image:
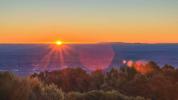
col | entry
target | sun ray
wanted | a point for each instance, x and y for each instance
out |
(56, 54)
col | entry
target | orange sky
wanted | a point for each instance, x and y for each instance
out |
(91, 21)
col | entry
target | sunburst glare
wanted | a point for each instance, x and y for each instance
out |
(59, 42)
(54, 58)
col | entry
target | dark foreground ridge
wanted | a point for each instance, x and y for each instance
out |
(136, 82)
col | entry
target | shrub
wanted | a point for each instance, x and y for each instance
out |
(14, 88)
(100, 95)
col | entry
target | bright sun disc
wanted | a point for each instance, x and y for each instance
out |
(58, 42)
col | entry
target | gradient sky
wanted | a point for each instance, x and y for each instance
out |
(83, 21)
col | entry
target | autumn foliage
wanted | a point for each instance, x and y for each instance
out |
(137, 82)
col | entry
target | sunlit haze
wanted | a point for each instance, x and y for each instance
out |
(59, 42)
(88, 21)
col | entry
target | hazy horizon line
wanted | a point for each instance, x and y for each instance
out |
(16, 43)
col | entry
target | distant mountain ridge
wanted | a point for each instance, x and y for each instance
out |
(136, 43)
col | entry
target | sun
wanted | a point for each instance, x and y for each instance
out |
(59, 42)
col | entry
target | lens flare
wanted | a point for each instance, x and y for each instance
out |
(96, 57)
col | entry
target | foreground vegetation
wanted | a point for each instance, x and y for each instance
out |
(137, 82)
